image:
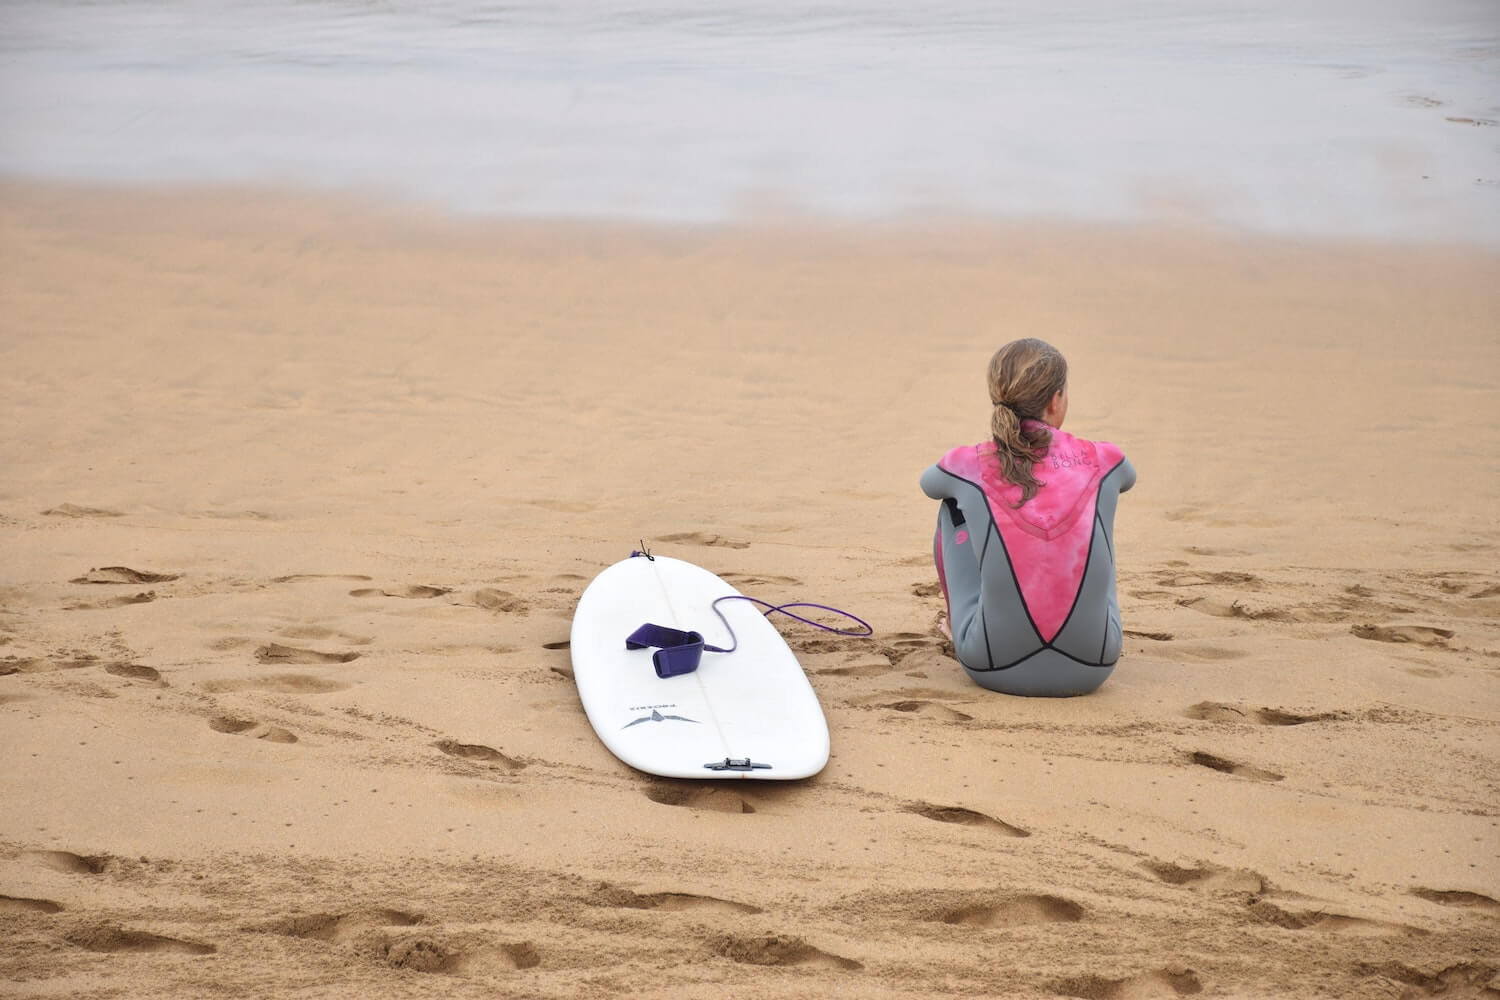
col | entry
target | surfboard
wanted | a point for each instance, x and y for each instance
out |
(746, 714)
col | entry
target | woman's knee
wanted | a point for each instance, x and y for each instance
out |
(1065, 679)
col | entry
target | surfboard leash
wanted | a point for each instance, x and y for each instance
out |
(680, 652)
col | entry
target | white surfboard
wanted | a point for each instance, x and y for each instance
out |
(746, 714)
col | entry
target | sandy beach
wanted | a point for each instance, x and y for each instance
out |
(297, 496)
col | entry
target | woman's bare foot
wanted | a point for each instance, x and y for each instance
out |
(942, 627)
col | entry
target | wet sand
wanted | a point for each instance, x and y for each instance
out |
(299, 496)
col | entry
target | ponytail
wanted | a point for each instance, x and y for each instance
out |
(1024, 375)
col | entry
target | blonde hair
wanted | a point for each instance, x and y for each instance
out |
(1024, 375)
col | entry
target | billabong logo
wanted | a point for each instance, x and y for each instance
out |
(656, 716)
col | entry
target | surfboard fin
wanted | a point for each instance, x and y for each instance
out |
(736, 764)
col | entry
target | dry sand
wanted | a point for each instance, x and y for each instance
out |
(298, 497)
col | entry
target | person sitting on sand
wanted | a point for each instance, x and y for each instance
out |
(1024, 545)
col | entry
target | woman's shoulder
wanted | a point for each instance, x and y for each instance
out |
(966, 459)
(1066, 447)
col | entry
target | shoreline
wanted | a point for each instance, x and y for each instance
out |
(376, 206)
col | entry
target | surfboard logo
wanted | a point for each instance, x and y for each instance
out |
(656, 716)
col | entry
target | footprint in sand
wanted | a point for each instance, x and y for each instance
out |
(75, 510)
(112, 938)
(1457, 982)
(605, 894)
(964, 817)
(779, 950)
(912, 701)
(699, 795)
(1222, 764)
(277, 653)
(500, 601)
(703, 538)
(479, 752)
(559, 644)
(901, 646)
(511, 955)
(338, 927)
(21, 904)
(1324, 921)
(1012, 911)
(1215, 711)
(1207, 550)
(1421, 635)
(1459, 898)
(413, 592)
(1225, 579)
(1236, 609)
(760, 580)
(41, 665)
(122, 574)
(36, 665)
(864, 665)
(1158, 983)
(135, 672)
(1154, 636)
(1282, 717)
(419, 954)
(913, 640)
(423, 954)
(248, 727)
(295, 577)
(926, 709)
(72, 864)
(1213, 878)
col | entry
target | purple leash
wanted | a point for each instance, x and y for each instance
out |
(679, 652)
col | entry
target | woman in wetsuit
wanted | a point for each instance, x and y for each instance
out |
(1024, 545)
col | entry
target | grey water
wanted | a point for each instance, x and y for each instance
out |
(1360, 118)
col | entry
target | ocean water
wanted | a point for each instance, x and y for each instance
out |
(1366, 118)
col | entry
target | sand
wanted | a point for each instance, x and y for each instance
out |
(298, 496)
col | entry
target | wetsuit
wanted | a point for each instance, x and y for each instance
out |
(1031, 590)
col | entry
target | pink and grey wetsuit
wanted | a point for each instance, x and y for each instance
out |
(1031, 590)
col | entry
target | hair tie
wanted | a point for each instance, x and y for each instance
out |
(1012, 408)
